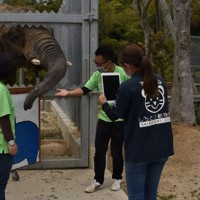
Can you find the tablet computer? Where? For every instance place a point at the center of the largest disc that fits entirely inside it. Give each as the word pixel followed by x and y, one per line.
pixel 110 85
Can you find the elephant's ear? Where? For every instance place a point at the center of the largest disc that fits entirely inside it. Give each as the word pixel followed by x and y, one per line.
pixel 16 34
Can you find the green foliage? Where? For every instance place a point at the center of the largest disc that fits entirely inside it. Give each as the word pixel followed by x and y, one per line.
pixel 30 76
pixel 51 5
pixel 162 55
pixel 41 5
pixel 195 25
pixel 118 24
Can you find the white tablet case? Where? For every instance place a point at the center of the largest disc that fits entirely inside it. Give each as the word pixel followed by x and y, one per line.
pixel 110 84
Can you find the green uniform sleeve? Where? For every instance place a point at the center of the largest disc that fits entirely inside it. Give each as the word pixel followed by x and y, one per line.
pixel 94 82
pixel 5 109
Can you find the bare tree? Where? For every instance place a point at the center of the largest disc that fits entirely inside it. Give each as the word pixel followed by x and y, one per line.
pixel 141 8
pixel 182 104
pixel 157 15
pixel 167 17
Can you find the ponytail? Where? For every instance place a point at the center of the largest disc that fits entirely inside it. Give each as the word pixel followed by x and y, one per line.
pixel 150 82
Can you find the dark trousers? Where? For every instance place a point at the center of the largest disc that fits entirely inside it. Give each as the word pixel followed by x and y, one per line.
pixel 142 179
pixel 6 161
pixel 105 132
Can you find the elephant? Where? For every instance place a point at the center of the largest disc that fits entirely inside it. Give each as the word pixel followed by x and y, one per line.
pixel 34 47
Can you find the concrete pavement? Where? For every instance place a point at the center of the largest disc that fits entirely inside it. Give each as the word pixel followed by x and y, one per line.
pixel 58 184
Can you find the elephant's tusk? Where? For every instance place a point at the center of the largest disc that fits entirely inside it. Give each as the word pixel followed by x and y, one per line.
pixel 69 64
pixel 35 61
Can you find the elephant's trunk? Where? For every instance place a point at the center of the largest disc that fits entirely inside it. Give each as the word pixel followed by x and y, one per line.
pixel 52 58
pixel 50 80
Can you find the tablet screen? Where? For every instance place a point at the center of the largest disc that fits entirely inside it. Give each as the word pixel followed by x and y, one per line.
pixel 110 85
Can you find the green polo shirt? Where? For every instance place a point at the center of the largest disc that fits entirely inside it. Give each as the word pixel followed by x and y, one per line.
pixel 6 108
pixel 95 82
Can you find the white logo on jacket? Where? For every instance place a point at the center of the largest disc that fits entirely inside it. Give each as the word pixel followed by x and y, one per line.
pixel 154 105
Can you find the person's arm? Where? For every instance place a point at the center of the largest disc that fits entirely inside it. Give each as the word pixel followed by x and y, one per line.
pixel 73 93
pixel 8 135
pixel 6 128
pixel 106 108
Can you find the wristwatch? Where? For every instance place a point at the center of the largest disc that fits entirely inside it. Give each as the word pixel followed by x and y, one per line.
pixel 11 142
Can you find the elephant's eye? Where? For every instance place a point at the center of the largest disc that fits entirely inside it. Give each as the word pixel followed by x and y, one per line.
pixel 17 38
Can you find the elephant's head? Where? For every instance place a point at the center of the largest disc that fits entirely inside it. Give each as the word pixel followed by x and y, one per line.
pixel 36 48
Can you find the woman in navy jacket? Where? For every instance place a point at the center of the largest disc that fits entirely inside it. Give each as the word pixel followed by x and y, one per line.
pixel 148 140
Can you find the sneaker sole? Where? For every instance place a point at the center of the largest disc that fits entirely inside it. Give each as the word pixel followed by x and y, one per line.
pixel 115 189
pixel 96 188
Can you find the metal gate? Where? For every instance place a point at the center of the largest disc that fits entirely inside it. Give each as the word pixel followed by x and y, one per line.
pixel 75 27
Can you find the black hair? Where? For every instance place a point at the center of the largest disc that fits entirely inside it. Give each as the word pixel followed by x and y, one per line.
pixel 6 67
pixel 106 52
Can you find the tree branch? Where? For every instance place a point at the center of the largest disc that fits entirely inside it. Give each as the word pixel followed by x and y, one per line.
pixel 168 17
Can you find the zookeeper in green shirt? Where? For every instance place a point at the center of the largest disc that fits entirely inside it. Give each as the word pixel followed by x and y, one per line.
pixel 106 129
pixel 8 148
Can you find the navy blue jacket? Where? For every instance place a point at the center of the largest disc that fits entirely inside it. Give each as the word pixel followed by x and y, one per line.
pixel 147 126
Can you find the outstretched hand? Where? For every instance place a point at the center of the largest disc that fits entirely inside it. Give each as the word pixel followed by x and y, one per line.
pixel 62 92
pixel 102 99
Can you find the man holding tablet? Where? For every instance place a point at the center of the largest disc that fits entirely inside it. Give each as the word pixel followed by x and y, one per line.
pixel 106 79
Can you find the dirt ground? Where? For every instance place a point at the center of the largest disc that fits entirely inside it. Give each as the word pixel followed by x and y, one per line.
pixel 180 179
pixel 181 175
